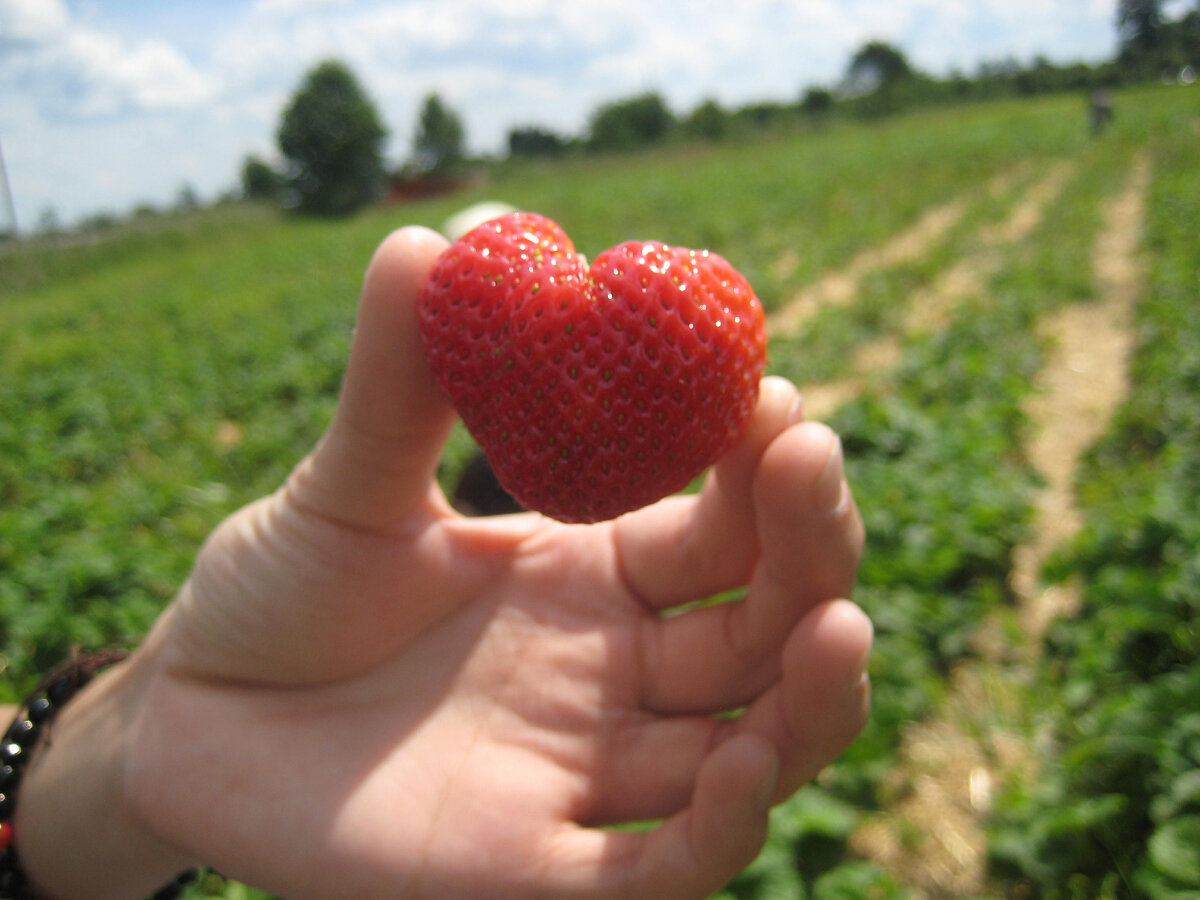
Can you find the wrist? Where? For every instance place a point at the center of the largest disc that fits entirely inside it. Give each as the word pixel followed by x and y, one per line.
pixel 76 832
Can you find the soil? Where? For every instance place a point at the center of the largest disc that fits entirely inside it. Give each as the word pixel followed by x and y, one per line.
pixel 951 764
pixel 1078 390
pixel 837 288
pixel 931 308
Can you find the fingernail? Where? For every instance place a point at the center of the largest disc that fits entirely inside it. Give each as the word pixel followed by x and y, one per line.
pixel 764 797
pixel 861 671
pixel 796 413
pixel 831 485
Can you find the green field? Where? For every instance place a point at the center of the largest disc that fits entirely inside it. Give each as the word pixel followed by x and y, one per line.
pixel 156 379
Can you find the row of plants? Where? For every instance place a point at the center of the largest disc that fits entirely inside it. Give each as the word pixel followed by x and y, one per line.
pixel 934 454
pixel 943 501
pixel 158 379
pixel 119 378
pixel 1115 811
pixel 153 387
pixel 126 359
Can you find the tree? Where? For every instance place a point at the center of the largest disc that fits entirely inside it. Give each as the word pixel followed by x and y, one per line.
pixel 708 121
pixel 438 145
pixel 259 180
pixel 531 141
pixel 187 200
pixel 1188 30
pixel 626 124
pixel 876 65
pixel 816 101
pixel 48 221
pixel 764 114
pixel 1139 27
pixel 332 139
pixel 880 75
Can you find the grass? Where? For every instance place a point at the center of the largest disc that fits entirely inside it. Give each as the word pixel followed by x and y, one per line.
pixel 158 378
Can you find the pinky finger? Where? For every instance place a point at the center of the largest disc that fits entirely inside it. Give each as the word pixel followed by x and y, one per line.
pixel 700 849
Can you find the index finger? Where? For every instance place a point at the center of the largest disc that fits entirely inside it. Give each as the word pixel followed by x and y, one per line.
pixel 810 541
pixel 688 548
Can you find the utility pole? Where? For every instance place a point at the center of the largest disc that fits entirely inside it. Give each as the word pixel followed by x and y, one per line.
pixel 7 228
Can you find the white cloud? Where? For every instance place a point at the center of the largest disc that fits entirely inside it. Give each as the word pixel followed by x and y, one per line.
pixel 31 21
pixel 75 69
pixel 292 7
pixel 159 77
pixel 150 75
pixel 159 114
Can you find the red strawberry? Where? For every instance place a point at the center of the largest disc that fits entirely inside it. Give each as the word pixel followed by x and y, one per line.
pixel 592 391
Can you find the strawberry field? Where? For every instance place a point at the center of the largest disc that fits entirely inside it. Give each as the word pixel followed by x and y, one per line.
pixel 997 311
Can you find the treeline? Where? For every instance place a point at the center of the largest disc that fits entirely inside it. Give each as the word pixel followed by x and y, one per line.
pixel 879 80
pixel 331 137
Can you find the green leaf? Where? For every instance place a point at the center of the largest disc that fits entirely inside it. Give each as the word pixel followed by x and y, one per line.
pixel 1174 850
pixel 1184 792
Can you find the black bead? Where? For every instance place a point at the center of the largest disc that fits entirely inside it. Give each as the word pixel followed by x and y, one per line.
pixel 40 710
pixel 23 732
pixel 10 753
pixel 8 805
pixel 9 778
pixel 60 691
pixel 12 883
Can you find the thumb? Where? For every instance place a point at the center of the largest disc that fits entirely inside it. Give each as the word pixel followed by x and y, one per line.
pixel 375 465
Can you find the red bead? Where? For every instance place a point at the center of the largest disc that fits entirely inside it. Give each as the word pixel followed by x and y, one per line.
pixel 6 835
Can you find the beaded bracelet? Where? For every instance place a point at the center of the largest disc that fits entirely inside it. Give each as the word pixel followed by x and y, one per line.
pixel 32 722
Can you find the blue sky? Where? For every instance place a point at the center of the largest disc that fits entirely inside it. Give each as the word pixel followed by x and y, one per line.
pixel 105 104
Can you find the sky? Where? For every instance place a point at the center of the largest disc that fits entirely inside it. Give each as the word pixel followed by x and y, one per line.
pixel 110 104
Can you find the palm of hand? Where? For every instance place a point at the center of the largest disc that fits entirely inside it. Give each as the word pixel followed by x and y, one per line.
pixel 422 705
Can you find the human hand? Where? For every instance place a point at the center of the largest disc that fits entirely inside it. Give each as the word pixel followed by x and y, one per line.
pixel 360 693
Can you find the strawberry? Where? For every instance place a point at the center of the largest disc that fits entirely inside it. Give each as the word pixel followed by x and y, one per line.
pixel 594 390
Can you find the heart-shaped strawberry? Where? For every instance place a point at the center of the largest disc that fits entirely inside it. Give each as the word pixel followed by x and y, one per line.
pixel 592 391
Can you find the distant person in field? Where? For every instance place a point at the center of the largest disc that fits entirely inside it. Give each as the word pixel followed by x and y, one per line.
pixel 1100 111
pixel 359 692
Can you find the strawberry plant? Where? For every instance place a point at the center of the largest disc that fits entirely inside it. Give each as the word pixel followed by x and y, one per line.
pixel 944 503
pixel 1117 811
pixel 944 490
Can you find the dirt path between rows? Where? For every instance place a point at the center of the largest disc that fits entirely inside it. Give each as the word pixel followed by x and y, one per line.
pixel 932 307
pixel 950 764
pixel 1078 390
pixel 837 288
